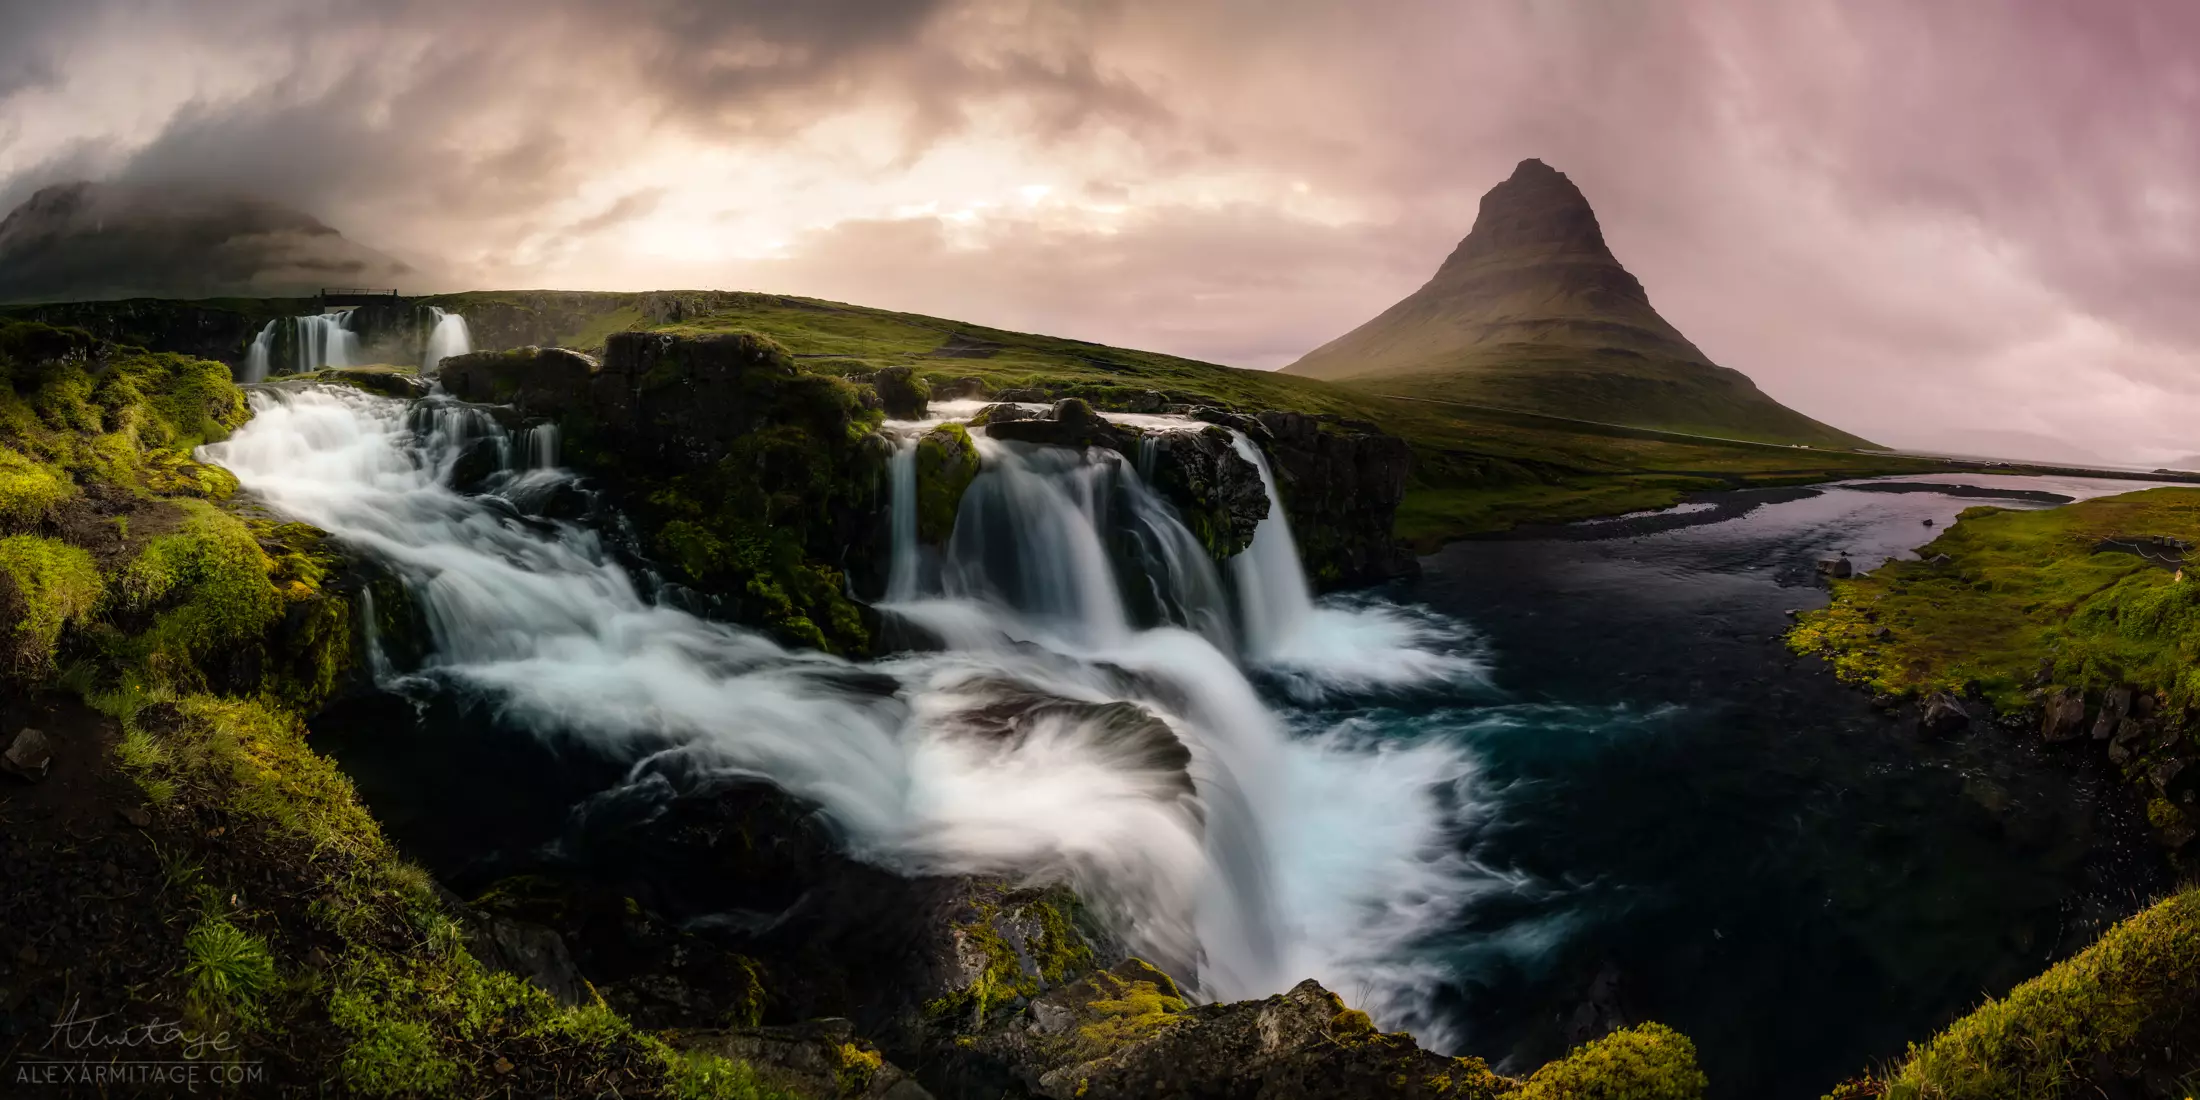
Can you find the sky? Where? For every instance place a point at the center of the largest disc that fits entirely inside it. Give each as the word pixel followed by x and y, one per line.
pixel 1969 225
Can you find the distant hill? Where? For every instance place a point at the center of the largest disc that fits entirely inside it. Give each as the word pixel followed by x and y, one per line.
pixel 93 241
pixel 1533 312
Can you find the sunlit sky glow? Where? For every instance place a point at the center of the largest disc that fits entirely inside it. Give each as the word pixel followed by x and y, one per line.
pixel 1967 226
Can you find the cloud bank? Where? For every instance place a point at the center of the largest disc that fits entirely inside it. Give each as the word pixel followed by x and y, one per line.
pixel 1923 223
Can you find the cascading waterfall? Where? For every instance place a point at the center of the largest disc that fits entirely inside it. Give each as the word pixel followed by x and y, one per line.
pixel 325 340
pixel 447 337
pixel 1274 602
pixel 1267 859
pixel 256 357
pixel 1342 645
pixel 902 568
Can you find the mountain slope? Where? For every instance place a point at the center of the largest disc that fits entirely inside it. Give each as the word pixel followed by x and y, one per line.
pixel 1533 312
pixel 92 241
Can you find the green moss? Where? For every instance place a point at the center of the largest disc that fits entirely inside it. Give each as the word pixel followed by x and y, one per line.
pixel 947 462
pixel 229 969
pixel 857 1067
pixel 1126 1010
pixel 29 490
pixel 208 586
pixel 1046 950
pixel 2118 1010
pixel 2000 592
pixel 1647 1062
pixel 45 585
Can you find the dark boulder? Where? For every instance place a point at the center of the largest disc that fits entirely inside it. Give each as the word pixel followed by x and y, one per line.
pixel 1073 424
pixel 1003 413
pixel 2063 718
pixel 959 389
pixel 1215 490
pixel 2115 707
pixel 903 394
pixel 1943 714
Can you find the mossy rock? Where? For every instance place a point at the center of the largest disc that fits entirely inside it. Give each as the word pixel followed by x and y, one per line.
pixel 947 462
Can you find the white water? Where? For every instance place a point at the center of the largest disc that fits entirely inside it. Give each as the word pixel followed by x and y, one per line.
pixel 256 357
pixel 448 337
pixel 1345 644
pixel 325 340
pixel 1270 860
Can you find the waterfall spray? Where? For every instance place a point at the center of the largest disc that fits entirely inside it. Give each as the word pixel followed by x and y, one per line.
pixel 325 340
pixel 447 337
pixel 256 357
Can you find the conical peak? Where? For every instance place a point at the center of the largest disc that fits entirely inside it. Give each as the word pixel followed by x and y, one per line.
pixel 1535 212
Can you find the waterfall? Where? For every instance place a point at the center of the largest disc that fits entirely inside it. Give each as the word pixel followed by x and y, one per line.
pixel 325 340
pixel 256 357
pixel 538 446
pixel 901 476
pixel 449 336
pixel 1274 603
pixel 1268 858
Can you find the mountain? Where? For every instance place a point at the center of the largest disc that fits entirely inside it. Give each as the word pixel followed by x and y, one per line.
pixel 1533 312
pixel 87 241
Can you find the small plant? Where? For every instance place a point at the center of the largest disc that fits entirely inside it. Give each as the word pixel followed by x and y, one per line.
pixel 228 968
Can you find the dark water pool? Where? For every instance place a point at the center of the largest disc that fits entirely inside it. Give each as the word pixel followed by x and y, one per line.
pixel 1712 833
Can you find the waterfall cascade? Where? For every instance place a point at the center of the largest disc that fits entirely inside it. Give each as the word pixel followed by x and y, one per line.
pixel 1275 856
pixel 324 340
pixel 257 357
pixel 447 337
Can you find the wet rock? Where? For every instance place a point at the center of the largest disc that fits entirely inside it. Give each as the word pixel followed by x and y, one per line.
pixel 1943 714
pixel 904 395
pixel 1147 401
pixel 2131 735
pixel 1128 1033
pixel 2063 718
pixel 1029 395
pixel 1002 413
pixel 481 460
pixel 2115 706
pixel 1835 566
pixel 1216 491
pixel 1601 1010
pixel 1341 482
pixel 384 381
pixel 135 816
pixel 1073 424
pixel 28 755
pixel 528 951
pixel 816 1058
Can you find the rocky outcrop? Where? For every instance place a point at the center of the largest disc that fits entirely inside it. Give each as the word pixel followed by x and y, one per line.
pixel 759 483
pixel 1216 491
pixel 903 394
pixel 1341 483
pixel 947 462
pixel 1128 1033
pixel 1072 424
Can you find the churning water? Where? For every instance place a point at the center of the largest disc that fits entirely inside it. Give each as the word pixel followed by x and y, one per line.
pixel 1214 838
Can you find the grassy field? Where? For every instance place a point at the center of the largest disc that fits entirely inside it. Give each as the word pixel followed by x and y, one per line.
pixel 2003 596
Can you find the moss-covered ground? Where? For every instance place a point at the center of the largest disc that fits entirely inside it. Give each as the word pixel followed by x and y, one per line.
pixel 280 917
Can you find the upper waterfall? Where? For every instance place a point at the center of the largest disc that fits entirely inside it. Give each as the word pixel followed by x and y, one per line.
pixel 448 336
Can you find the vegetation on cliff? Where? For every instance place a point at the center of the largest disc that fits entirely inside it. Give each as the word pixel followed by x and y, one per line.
pixel 279 914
